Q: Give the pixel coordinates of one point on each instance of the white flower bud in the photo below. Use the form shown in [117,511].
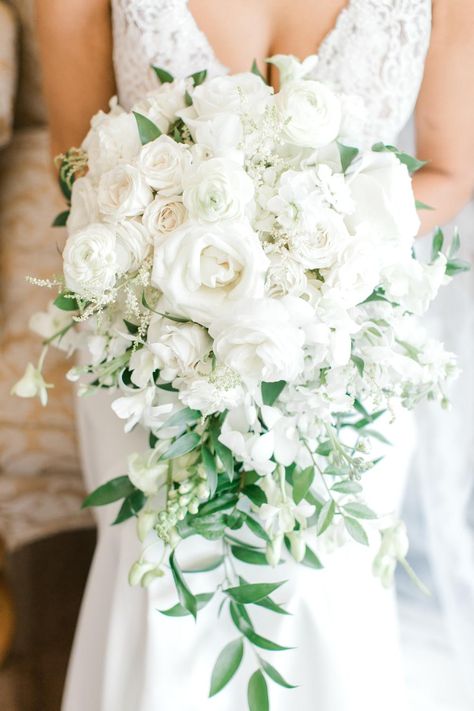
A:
[145,522]
[151,576]
[297,546]
[138,570]
[193,507]
[273,551]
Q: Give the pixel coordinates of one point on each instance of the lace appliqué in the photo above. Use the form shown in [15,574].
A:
[374,56]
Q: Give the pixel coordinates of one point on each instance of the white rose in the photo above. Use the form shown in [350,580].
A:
[84,208]
[123,192]
[203,268]
[177,347]
[260,341]
[311,113]
[163,215]
[90,260]
[162,104]
[239,93]
[112,139]
[355,274]
[133,245]
[318,248]
[384,204]
[219,135]
[217,190]
[285,276]
[414,285]
[162,162]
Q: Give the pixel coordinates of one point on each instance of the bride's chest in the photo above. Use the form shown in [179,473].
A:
[374,52]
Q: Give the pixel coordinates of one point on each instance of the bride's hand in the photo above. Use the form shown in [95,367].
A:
[445,115]
[76,54]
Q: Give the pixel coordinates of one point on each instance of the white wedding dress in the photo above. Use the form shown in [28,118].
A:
[126,655]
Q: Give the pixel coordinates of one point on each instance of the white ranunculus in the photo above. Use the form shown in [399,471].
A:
[384,204]
[260,341]
[291,68]
[133,245]
[355,274]
[318,248]
[163,215]
[84,208]
[218,189]
[238,93]
[311,113]
[177,346]
[113,138]
[162,163]
[203,268]
[123,192]
[414,285]
[90,260]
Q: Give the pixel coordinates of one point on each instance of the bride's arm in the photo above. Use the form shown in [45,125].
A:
[445,114]
[76,55]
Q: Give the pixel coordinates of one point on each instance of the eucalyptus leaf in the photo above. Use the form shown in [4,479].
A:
[359,510]
[302,481]
[252,592]
[183,417]
[355,530]
[326,515]
[111,491]
[164,76]
[257,692]
[226,665]
[179,611]
[346,487]
[325,448]
[147,130]
[271,391]
[185,596]
[184,444]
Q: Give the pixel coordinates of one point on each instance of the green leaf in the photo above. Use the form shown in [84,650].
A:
[225,500]
[184,444]
[347,487]
[256,528]
[209,464]
[226,665]
[61,219]
[256,495]
[213,565]
[164,76]
[437,244]
[271,391]
[185,596]
[225,455]
[359,510]
[152,440]
[66,302]
[148,131]
[269,604]
[456,266]
[274,674]
[302,480]
[257,692]
[211,527]
[249,556]
[325,448]
[455,245]
[326,515]
[359,364]
[422,205]
[168,387]
[258,641]
[360,424]
[183,417]
[188,99]
[252,592]
[113,490]
[311,560]
[131,327]
[355,530]
[255,70]
[347,155]
[131,506]
[177,319]
[413,164]
[199,77]
[179,611]
[240,617]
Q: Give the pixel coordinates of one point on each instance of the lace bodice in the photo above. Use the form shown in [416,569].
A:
[374,55]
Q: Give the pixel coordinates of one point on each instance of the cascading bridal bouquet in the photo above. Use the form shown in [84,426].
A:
[244,281]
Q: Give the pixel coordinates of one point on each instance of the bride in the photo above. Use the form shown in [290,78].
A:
[385,55]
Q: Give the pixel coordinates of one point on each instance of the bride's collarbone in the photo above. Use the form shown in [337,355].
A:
[242,30]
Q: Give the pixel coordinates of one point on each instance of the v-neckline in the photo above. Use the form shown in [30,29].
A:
[324,42]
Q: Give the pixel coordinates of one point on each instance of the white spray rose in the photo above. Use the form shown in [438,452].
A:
[285,276]
[384,204]
[163,215]
[133,245]
[311,113]
[84,208]
[355,274]
[162,163]
[90,260]
[112,139]
[122,193]
[203,268]
[177,347]
[218,189]
[318,248]
[238,93]
[260,341]
[414,285]
[219,135]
